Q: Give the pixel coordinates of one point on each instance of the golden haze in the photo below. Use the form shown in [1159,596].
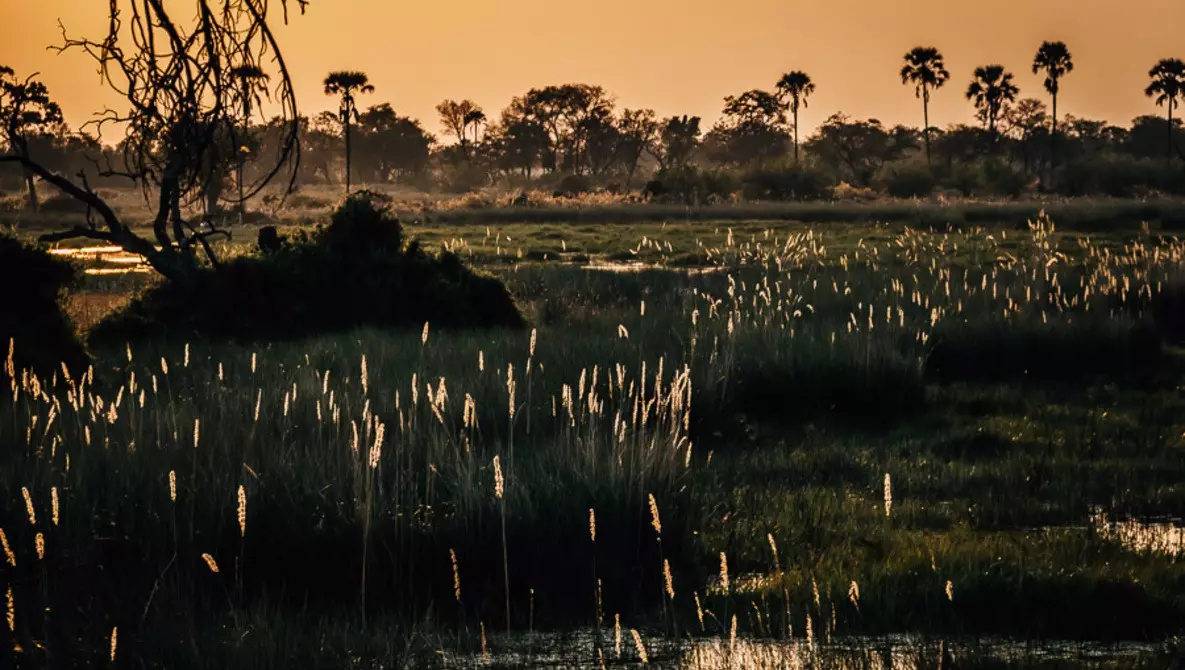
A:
[677,57]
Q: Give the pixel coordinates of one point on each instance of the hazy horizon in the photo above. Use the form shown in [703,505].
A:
[676,58]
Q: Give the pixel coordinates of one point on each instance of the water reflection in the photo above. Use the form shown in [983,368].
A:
[890,652]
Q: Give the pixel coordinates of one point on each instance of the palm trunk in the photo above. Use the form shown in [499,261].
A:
[795,134]
[1053,138]
[347,153]
[926,115]
[31,185]
[1169,154]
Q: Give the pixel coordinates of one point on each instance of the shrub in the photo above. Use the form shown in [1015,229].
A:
[999,178]
[691,186]
[793,183]
[352,273]
[573,185]
[32,321]
[1119,176]
[966,179]
[907,180]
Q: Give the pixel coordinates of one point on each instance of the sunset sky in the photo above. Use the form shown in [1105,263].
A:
[677,57]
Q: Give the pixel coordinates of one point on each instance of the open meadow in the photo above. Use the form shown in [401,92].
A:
[719,442]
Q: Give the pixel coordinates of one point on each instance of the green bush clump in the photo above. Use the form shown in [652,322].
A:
[793,183]
[908,180]
[32,321]
[355,272]
[690,186]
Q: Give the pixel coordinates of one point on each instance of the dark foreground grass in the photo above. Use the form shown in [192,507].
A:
[861,436]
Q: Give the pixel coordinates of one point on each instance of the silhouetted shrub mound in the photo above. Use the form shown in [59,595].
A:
[690,186]
[32,319]
[572,186]
[908,180]
[794,183]
[355,272]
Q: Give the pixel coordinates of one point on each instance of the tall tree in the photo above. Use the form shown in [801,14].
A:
[1168,84]
[563,111]
[751,130]
[347,84]
[794,88]
[456,117]
[252,84]
[25,110]
[991,90]
[925,69]
[476,118]
[678,138]
[638,134]
[176,77]
[1055,59]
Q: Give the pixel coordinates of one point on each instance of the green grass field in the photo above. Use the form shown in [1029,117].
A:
[841,432]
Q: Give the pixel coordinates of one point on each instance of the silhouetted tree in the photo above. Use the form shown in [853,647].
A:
[751,130]
[177,77]
[456,117]
[638,130]
[794,88]
[25,110]
[347,84]
[991,90]
[1026,123]
[1147,135]
[1055,59]
[678,138]
[519,142]
[858,148]
[926,70]
[562,111]
[475,118]
[251,85]
[1168,84]
[391,145]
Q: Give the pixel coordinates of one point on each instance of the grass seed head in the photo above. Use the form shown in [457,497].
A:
[242,511]
[210,563]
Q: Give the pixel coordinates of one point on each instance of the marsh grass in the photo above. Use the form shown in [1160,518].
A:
[761,406]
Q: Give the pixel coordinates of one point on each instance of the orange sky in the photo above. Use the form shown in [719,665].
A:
[675,56]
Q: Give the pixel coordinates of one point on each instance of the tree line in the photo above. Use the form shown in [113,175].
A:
[578,130]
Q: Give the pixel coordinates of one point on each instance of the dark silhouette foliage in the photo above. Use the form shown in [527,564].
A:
[793,183]
[356,272]
[32,321]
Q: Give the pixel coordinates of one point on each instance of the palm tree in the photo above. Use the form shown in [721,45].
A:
[1054,58]
[925,69]
[797,87]
[250,78]
[1168,83]
[346,84]
[475,118]
[991,89]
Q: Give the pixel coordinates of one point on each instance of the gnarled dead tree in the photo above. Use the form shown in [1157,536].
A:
[179,68]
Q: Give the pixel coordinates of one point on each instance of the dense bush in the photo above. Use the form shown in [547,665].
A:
[1000,178]
[32,321]
[573,185]
[691,186]
[354,272]
[907,180]
[792,183]
[1119,176]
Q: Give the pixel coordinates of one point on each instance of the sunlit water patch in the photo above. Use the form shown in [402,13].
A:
[608,649]
[1165,536]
